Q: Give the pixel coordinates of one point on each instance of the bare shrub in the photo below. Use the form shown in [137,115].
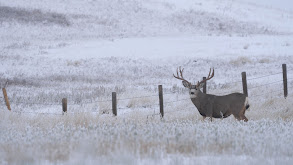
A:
[198,20]
[80,119]
[246,46]
[271,106]
[242,60]
[73,63]
[264,60]
[18,45]
[32,16]
[19,82]
[140,102]
[105,107]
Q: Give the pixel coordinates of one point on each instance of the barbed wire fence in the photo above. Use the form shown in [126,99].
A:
[161,104]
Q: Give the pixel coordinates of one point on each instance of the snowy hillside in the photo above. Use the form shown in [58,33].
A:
[84,50]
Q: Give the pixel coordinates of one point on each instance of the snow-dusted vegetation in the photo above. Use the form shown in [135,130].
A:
[133,139]
[85,50]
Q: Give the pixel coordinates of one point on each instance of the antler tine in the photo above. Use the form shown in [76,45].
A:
[181,72]
[211,76]
[213,72]
[177,74]
[180,77]
[208,78]
[210,72]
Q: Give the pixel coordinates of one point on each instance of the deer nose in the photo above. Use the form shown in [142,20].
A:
[192,93]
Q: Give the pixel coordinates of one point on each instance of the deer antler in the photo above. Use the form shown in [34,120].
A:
[181,75]
[208,78]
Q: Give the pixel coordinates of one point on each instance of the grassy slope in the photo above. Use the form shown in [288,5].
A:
[227,32]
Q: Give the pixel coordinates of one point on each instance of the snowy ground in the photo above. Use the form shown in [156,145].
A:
[86,49]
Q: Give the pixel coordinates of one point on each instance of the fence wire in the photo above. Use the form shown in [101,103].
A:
[166,103]
[30,103]
[267,84]
[139,97]
[36,113]
[152,115]
[254,78]
[174,101]
[259,77]
[182,109]
[270,92]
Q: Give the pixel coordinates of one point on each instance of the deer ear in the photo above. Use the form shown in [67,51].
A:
[186,84]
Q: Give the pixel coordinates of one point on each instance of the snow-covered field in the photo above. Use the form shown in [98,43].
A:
[85,50]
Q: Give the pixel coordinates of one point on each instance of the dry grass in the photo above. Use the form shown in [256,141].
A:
[271,108]
[32,16]
[57,139]
[264,60]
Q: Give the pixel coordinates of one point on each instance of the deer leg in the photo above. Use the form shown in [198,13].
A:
[222,115]
[245,119]
[203,118]
[209,112]
[242,117]
[237,116]
[242,114]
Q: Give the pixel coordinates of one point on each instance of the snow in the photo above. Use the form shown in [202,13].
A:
[169,48]
[275,4]
[85,50]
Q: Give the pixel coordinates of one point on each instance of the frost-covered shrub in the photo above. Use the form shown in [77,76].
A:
[105,107]
[242,60]
[137,102]
[197,20]
[22,15]
[91,138]
[264,60]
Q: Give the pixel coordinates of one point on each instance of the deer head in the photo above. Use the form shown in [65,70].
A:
[193,89]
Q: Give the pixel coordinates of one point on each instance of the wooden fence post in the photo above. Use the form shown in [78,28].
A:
[285,80]
[6,99]
[244,83]
[114,104]
[161,102]
[64,105]
[204,86]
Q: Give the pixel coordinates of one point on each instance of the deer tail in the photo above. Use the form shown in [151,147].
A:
[246,104]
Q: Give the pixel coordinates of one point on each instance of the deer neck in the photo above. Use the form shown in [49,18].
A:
[198,99]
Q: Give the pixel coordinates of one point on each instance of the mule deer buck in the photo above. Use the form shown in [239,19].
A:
[215,106]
